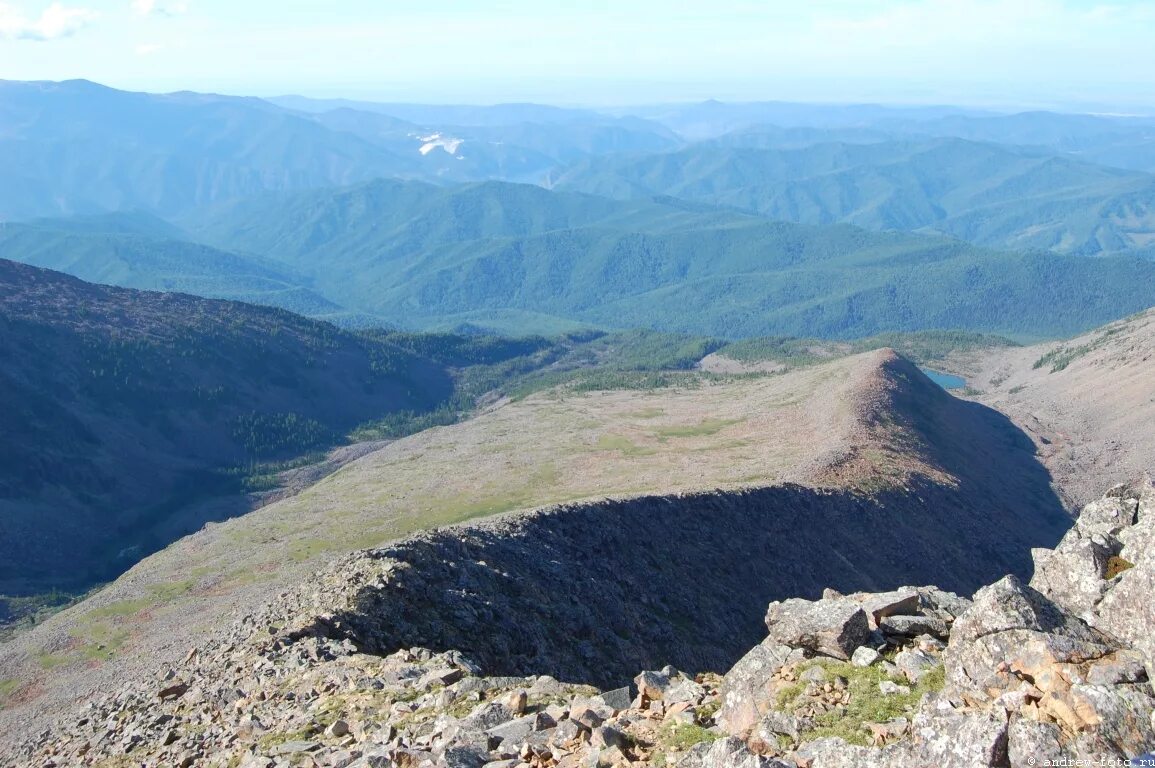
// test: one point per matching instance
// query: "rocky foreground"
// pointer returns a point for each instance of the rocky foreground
(1058, 669)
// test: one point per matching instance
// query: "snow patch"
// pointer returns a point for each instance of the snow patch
(437, 141)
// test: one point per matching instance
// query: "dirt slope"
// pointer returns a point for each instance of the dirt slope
(1088, 403)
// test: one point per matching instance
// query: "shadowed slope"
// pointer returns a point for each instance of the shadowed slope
(123, 407)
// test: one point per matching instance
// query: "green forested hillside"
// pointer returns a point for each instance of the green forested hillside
(524, 259)
(141, 252)
(126, 412)
(992, 195)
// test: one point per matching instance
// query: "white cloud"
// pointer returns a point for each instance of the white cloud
(161, 8)
(148, 49)
(56, 21)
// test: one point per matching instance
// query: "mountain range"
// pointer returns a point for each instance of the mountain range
(344, 434)
(77, 147)
(992, 195)
(419, 217)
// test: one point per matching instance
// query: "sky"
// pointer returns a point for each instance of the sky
(1023, 53)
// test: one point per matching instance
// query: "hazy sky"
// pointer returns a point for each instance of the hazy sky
(1028, 52)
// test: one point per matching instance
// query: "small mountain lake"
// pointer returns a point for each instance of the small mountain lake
(945, 380)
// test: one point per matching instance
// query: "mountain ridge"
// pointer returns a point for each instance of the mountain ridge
(827, 426)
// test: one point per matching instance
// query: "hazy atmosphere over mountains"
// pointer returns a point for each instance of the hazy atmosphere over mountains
(388, 387)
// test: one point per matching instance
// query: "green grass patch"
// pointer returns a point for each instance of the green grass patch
(158, 594)
(704, 429)
(1061, 357)
(867, 703)
(646, 413)
(924, 347)
(53, 660)
(787, 695)
(622, 445)
(1058, 359)
(102, 641)
(682, 736)
(8, 687)
(95, 641)
(118, 609)
(270, 740)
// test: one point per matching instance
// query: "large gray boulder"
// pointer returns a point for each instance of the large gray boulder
(1073, 575)
(1104, 568)
(728, 753)
(831, 627)
(947, 738)
(1113, 721)
(1127, 610)
(1030, 740)
(746, 689)
(837, 753)
(940, 736)
(900, 602)
(1013, 633)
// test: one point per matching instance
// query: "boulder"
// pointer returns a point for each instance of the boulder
(514, 731)
(1011, 633)
(900, 602)
(1127, 609)
(463, 757)
(1119, 667)
(1008, 604)
(863, 657)
(1073, 574)
(617, 699)
(487, 715)
(912, 626)
(746, 693)
(728, 753)
(940, 736)
(652, 685)
(889, 688)
(1108, 515)
(1104, 568)
(837, 753)
(828, 627)
(1030, 742)
(914, 663)
(941, 604)
(1110, 720)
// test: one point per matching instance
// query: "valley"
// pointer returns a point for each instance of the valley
(338, 433)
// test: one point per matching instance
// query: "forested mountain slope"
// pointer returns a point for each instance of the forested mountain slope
(124, 408)
(997, 196)
(522, 258)
(139, 251)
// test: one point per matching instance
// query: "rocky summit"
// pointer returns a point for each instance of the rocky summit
(1058, 669)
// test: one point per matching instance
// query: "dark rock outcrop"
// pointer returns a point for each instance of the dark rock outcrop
(594, 592)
